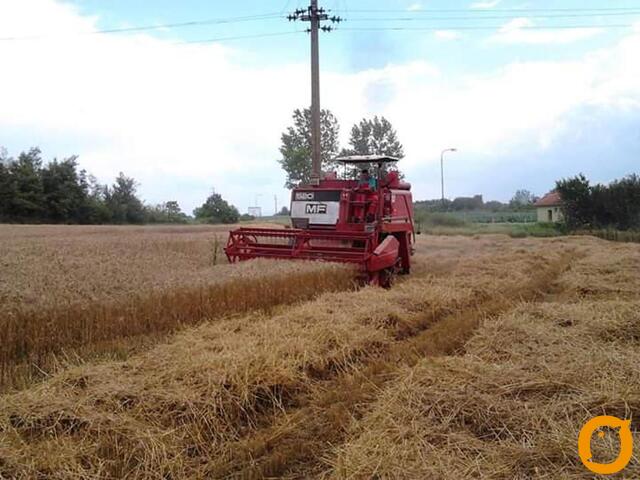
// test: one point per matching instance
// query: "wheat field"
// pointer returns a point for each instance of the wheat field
(68, 293)
(484, 363)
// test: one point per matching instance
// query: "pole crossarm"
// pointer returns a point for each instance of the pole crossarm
(314, 13)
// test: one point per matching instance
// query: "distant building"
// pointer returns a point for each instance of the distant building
(549, 208)
(255, 211)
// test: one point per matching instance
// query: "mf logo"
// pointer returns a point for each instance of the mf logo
(626, 444)
(315, 208)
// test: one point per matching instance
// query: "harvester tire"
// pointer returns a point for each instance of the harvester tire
(387, 277)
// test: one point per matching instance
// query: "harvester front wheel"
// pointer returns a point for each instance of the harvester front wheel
(387, 277)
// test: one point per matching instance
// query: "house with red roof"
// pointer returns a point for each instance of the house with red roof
(549, 208)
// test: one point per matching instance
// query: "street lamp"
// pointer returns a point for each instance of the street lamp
(442, 168)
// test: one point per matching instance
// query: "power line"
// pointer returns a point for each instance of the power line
(213, 21)
(487, 27)
(193, 23)
(286, 5)
(491, 17)
(239, 37)
(470, 15)
(493, 10)
(409, 29)
(415, 29)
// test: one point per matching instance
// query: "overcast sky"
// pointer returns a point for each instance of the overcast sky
(524, 106)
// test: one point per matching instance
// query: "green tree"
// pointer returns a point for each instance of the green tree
(284, 211)
(495, 206)
(155, 214)
(522, 199)
(95, 209)
(577, 201)
(26, 182)
(374, 137)
(64, 193)
(123, 202)
(168, 212)
(615, 205)
(175, 213)
(55, 192)
(468, 203)
(618, 204)
(216, 210)
(296, 146)
(8, 188)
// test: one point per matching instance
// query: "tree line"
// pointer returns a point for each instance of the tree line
(32, 191)
(616, 205)
(59, 191)
(522, 201)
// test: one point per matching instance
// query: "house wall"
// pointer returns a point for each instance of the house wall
(545, 217)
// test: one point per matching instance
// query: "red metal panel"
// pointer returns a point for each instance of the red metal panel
(385, 255)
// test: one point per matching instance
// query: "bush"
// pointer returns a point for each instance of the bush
(539, 230)
(613, 235)
(216, 210)
(545, 230)
(442, 220)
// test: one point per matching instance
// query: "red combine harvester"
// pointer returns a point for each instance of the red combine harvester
(367, 222)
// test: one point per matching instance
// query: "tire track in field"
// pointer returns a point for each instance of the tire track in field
(297, 442)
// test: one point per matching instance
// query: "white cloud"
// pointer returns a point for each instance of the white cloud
(520, 31)
(484, 5)
(447, 34)
(415, 7)
(193, 116)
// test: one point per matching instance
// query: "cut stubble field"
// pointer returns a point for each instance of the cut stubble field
(485, 362)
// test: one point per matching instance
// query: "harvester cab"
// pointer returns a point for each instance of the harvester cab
(364, 218)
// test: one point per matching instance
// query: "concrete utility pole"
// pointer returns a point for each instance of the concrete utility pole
(315, 93)
(315, 16)
(442, 169)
